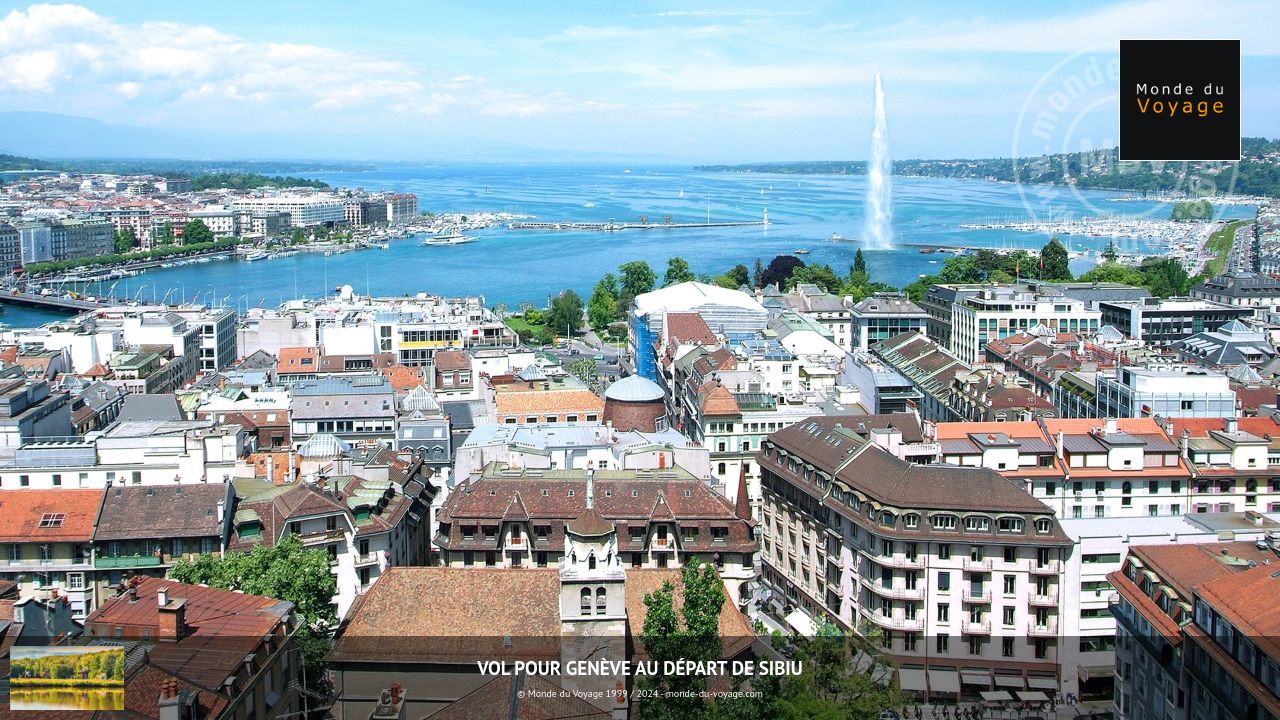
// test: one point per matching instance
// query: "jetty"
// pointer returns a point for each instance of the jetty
(614, 226)
(53, 302)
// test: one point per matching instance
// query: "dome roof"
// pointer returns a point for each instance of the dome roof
(634, 389)
(323, 445)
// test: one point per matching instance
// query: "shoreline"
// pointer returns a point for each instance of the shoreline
(76, 685)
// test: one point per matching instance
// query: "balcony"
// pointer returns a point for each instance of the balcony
(517, 543)
(1043, 600)
(893, 561)
(128, 561)
(972, 565)
(982, 627)
(50, 564)
(1052, 567)
(368, 559)
(1048, 628)
(977, 596)
(324, 537)
(663, 544)
(897, 623)
(896, 593)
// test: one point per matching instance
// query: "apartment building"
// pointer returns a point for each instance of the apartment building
(48, 543)
(1235, 463)
(10, 248)
(882, 316)
(1163, 321)
(1195, 629)
(517, 517)
(304, 210)
(1255, 291)
(930, 368)
(401, 207)
(1165, 390)
(813, 303)
(30, 410)
(996, 312)
(957, 568)
(352, 408)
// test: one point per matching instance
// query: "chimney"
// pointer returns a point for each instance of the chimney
(173, 620)
(1110, 426)
(1232, 424)
(1058, 450)
(162, 595)
(591, 485)
(390, 705)
(133, 595)
(1185, 443)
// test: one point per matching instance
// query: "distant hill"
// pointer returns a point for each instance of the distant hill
(1259, 170)
(15, 162)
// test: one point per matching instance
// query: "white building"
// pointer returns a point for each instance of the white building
(304, 210)
(222, 222)
(997, 312)
(1164, 390)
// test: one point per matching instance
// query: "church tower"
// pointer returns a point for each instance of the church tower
(593, 605)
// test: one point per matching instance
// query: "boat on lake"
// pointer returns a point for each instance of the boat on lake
(453, 237)
(255, 255)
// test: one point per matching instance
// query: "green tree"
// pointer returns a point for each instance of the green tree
(779, 271)
(125, 240)
(501, 310)
(321, 232)
(667, 639)
(166, 235)
(637, 278)
(677, 272)
(602, 308)
(286, 571)
(821, 275)
(757, 274)
(565, 313)
(584, 368)
(1165, 277)
(1110, 254)
(739, 275)
(297, 236)
(859, 262)
(843, 675)
(196, 232)
(1054, 261)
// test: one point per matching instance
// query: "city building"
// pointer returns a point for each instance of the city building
(401, 207)
(1235, 463)
(532, 397)
(304, 210)
(352, 408)
(828, 310)
(1260, 293)
(222, 222)
(452, 375)
(997, 312)
(1195, 629)
(10, 248)
(200, 652)
(48, 543)
(1164, 390)
(516, 517)
(1229, 346)
(882, 316)
(30, 410)
(724, 311)
(67, 238)
(1164, 321)
(929, 367)
(958, 568)
(880, 388)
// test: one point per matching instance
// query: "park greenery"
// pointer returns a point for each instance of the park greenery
(160, 252)
(90, 668)
(249, 181)
(286, 571)
(1192, 210)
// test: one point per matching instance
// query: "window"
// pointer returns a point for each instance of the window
(944, 551)
(24, 481)
(944, 613)
(942, 644)
(1043, 526)
(944, 581)
(1008, 617)
(1010, 584)
(1011, 525)
(1006, 646)
(585, 602)
(51, 520)
(1010, 554)
(57, 480)
(490, 558)
(601, 603)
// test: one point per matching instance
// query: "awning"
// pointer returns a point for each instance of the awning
(801, 623)
(1096, 671)
(1044, 683)
(911, 679)
(1014, 681)
(1033, 696)
(996, 696)
(976, 677)
(944, 681)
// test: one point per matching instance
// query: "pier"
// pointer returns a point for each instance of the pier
(612, 226)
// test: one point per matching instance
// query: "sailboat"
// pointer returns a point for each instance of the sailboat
(681, 192)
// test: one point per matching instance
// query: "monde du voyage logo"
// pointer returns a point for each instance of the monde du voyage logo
(1180, 100)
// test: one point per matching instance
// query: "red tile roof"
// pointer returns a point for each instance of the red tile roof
(402, 378)
(298, 360)
(452, 360)
(1200, 427)
(684, 328)
(61, 515)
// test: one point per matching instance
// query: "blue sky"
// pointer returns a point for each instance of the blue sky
(688, 80)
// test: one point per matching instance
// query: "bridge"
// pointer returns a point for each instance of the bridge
(51, 302)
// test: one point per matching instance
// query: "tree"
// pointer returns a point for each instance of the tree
(286, 571)
(1054, 261)
(859, 262)
(1113, 272)
(739, 275)
(821, 275)
(757, 274)
(166, 235)
(584, 368)
(602, 308)
(523, 308)
(196, 232)
(297, 236)
(501, 310)
(565, 313)
(677, 272)
(843, 675)
(637, 278)
(1110, 254)
(667, 639)
(779, 271)
(125, 241)
(1165, 277)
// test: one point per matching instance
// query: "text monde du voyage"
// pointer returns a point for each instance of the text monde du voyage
(1181, 99)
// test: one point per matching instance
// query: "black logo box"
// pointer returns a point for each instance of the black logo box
(1180, 65)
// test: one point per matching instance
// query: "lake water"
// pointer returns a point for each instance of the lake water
(514, 265)
(66, 699)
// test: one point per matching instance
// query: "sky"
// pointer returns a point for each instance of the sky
(688, 80)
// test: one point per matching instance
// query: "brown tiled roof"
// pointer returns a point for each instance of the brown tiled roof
(98, 371)
(1200, 427)
(736, 633)
(67, 515)
(1248, 600)
(687, 328)
(532, 698)
(455, 615)
(402, 378)
(717, 400)
(452, 360)
(589, 523)
(297, 360)
(549, 402)
(1183, 566)
(163, 511)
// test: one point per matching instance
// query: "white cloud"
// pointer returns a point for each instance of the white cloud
(29, 71)
(129, 89)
